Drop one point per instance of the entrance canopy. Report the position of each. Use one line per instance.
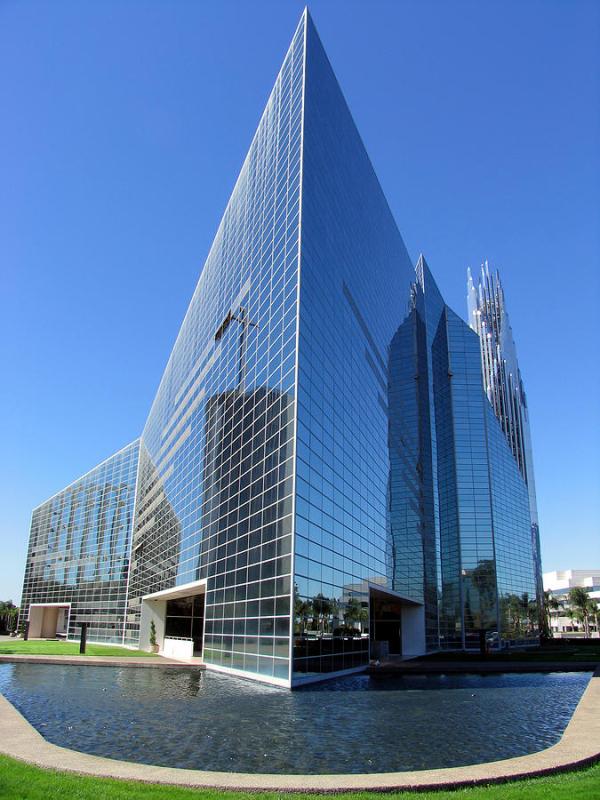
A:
(48, 620)
(178, 617)
(396, 624)
(185, 590)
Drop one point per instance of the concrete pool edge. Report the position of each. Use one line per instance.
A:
(101, 661)
(579, 746)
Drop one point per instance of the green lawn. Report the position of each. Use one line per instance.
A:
(55, 648)
(20, 781)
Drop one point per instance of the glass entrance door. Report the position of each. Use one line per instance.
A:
(185, 620)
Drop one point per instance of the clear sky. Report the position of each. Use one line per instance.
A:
(124, 125)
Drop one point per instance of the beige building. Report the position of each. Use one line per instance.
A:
(559, 583)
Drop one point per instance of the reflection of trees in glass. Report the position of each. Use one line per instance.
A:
(323, 608)
(303, 611)
(328, 616)
(480, 596)
(517, 608)
(520, 616)
(354, 613)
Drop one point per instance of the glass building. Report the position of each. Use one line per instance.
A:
(459, 506)
(78, 556)
(321, 478)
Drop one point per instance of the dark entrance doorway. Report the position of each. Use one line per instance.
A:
(185, 619)
(385, 625)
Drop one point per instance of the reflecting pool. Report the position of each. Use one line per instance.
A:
(203, 720)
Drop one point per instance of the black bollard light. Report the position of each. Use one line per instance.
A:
(26, 631)
(83, 639)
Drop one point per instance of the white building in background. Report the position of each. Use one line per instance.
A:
(560, 583)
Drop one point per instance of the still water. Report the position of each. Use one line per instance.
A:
(203, 720)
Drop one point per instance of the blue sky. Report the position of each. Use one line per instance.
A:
(124, 125)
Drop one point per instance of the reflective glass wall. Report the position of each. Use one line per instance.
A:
(79, 550)
(414, 495)
(484, 551)
(504, 389)
(354, 293)
(469, 601)
(515, 550)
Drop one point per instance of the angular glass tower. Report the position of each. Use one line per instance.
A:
(264, 466)
(321, 479)
(503, 385)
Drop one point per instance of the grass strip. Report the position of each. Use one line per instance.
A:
(58, 648)
(20, 781)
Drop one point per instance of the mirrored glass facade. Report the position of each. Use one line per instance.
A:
(321, 478)
(473, 493)
(78, 556)
(504, 389)
(517, 559)
(355, 286)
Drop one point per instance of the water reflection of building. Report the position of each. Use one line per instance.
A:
(321, 477)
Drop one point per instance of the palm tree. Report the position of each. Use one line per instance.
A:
(596, 616)
(8, 615)
(583, 607)
(572, 616)
(550, 604)
(533, 616)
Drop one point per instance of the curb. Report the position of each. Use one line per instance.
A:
(100, 661)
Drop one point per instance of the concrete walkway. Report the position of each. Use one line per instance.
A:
(579, 745)
(104, 661)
